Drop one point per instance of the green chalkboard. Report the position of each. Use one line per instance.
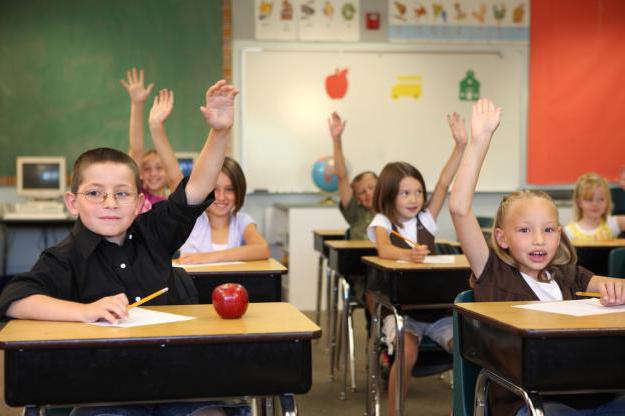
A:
(61, 62)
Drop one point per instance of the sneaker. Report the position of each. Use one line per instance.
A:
(385, 362)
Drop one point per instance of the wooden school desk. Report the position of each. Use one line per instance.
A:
(344, 260)
(319, 238)
(261, 278)
(265, 353)
(593, 255)
(420, 285)
(543, 352)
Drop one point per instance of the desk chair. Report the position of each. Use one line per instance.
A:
(465, 373)
(432, 359)
(344, 330)
(471, 381)
(616, 263)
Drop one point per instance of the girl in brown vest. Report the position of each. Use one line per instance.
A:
(401, 202)
(530, 259)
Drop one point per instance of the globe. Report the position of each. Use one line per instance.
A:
(323, 174)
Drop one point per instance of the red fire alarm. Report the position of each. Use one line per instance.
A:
(373, 20)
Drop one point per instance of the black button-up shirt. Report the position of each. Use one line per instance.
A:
(84, 267)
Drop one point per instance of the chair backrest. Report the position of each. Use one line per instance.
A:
(465, 372)
(616, 262)
(446, 248)
(485, 222)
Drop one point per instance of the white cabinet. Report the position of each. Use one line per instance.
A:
(292, 225)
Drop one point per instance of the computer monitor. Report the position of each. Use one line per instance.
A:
(40, 177)
(185, 161)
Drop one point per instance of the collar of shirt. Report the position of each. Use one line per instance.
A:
(88, 240)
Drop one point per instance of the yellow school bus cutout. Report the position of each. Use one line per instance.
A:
(407, 86)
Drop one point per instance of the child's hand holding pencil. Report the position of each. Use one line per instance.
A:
(417, 251)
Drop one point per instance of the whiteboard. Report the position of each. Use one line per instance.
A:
(283, 109)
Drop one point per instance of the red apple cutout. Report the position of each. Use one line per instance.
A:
(336, 85)
(230, 300)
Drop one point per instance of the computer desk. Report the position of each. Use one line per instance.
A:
(265, 353)
(542, 352)
(410, 286)
(261, 278)
(594, 255)
(45, 225)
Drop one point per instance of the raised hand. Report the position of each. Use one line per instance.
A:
(336, 126)
(110, 309)
(458, 130)
(134, 85)
(219, 108)
(162, 107)
(485, 120)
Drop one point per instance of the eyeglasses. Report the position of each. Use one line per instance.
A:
(98, 197)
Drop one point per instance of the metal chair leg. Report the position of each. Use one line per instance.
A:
(329, 306)
(289, 407)
(352, 353)
(399, 363)
(533, 401)
(319, 289)
(332, 333)
(373, 370)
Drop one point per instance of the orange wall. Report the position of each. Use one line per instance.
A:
(577, 90)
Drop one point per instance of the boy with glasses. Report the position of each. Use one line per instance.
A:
(113, 254)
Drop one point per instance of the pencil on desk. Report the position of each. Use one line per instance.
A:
(149, 297)
(589, 294)
(406, 239)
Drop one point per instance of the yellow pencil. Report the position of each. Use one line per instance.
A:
(406, 239)
(589, 294)
(149, 297)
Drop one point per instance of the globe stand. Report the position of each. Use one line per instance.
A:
(328, 200)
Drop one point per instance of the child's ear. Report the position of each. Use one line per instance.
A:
(140, 202)
(500, 237)
(70, 202)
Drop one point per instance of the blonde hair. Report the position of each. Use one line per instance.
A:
(565, 254)
(585, 186)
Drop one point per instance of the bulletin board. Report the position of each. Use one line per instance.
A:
(284, 105)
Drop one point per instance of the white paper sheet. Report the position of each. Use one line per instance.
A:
(198, 265)
(140, 317)
(580, 307)
(437, 259)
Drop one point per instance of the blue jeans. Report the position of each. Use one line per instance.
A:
(614, 407)
(165, 409)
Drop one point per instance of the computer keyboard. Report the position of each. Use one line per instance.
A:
(15, 215)
(34, 211)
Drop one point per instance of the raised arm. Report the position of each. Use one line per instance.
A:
(219, 114)
(138, 94)
(254, 248)
(161, 109)
(459, 134)
(336, 126)
(484, 122)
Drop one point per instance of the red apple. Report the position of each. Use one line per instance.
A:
(336, 85)
(230, 300)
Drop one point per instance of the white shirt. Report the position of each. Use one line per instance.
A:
(200, 240)
(408, 229)
(545, 291)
